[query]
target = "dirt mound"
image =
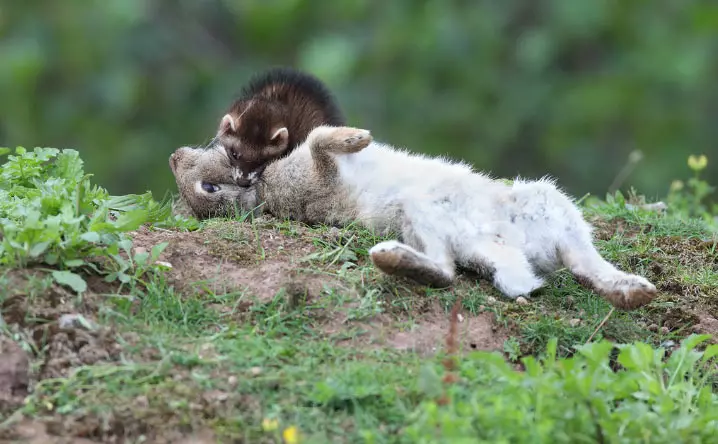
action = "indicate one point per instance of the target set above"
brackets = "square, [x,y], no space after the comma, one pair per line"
[61,328]
[605,229]
[36,432]
[688,251]
[14,375]
[707,325]
[231,256]
[262,260]
[480,332]
[62,333]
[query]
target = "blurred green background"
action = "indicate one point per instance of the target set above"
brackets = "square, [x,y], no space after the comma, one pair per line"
[530,87]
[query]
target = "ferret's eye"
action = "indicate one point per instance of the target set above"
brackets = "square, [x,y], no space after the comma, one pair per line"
[210,187]
[235,154]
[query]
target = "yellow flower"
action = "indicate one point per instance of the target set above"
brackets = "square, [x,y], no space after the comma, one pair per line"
[269,425]
[697,163]
[676,185]
[290,435]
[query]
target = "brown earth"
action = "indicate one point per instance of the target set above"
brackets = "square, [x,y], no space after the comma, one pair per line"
[64,332]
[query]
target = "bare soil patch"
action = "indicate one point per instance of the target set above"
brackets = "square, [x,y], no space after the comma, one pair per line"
[231,257]
[14,375]
[669,262]
[428,336]
[194,257]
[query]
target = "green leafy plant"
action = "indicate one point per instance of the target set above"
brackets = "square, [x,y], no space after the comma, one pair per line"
[51,214]
[133,267]
[512,348]
[690,197]
[579,399]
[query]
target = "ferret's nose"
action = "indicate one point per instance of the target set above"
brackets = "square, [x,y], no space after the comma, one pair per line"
[243,182]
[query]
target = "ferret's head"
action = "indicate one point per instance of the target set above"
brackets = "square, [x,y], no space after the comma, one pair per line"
[205,183]
[253,133]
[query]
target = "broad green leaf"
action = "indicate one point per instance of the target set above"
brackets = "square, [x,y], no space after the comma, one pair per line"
[141,258]
[51,258]
[39,248]
[596,352]
[70,279]
[131,220]
[68,165]
[125,244]
[124,203]
[74,263]
[91,236]
[158,249]
[710,352]
[693,340]
[638,356]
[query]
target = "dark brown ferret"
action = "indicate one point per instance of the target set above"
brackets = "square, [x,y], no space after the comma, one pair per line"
[274,114]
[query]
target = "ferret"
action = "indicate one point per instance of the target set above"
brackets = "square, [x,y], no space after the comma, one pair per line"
[274,114]
[445,214]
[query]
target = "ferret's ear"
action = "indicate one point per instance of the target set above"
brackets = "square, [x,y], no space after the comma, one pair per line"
[227,124]
[280,138]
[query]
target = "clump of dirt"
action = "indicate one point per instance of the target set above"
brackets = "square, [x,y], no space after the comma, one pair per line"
[669,262]
[74,347]
[233,242]
[672,258]
[428,336]
[606,229]
[303,288]
[689,251]
[36,432]
[60,328]
[70,432]
[62,333]
[174,412]
[707,325]
[229,257]
[676,320]
[425,334]
[14,375]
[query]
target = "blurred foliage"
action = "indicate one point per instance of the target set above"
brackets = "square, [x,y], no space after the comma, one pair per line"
[689,198]
[565,87]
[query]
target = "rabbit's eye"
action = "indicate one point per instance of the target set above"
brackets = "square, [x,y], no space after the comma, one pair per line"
[210,187]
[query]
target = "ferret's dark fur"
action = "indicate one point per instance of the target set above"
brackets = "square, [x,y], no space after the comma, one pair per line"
[273,115]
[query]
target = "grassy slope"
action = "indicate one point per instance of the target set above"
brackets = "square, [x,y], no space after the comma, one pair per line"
[198,360]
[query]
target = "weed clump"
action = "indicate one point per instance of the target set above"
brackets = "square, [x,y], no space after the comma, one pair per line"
[51,214]
[579,399]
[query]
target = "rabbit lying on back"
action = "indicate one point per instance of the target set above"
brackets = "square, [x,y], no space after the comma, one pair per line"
[445,213]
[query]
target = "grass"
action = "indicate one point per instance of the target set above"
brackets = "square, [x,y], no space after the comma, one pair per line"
[340,352]
[206,371]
